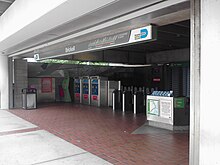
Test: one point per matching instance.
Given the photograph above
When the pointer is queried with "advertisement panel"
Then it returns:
(46, 85)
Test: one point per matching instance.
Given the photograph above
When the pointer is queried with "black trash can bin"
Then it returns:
(29, 98)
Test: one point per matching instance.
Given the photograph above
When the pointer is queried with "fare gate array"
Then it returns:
(130, 100)
(98, 91)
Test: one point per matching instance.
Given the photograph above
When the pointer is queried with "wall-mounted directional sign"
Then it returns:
(36, 57)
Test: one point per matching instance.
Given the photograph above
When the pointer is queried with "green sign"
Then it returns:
(179, 103)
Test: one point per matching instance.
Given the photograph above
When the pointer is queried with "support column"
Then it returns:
(195, 83)
(4, 82)
(210, 82)
(205, 88)
(11, 93)
(20, 80)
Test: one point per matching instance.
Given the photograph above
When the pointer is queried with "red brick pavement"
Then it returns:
(107, 134)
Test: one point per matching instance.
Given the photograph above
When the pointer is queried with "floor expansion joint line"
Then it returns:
(20, 131)
(60, 158)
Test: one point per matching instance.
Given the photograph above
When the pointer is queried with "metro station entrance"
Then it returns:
(134, 88)
(151, 77)
(85, 41)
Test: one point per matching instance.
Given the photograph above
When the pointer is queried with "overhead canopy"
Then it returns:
(80, 22)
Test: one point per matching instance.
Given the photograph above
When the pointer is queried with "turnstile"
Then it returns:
(112, 85)
(77, 90)
(116, 99)
(127, 101)
(139, 105)
(85, 83)
(99, 91)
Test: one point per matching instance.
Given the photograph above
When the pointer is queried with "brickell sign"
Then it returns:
(124, 38)
(70, 49)
(103, 42)
(147, 33)
(108, 41)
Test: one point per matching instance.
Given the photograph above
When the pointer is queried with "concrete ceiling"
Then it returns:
(109, 18)
(68, 17)
(4, 5)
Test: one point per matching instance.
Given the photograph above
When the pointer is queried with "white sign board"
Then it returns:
(160, 109)
(166, 108)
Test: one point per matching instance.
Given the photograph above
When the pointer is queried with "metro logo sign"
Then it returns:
(144, 33)
(141, 34)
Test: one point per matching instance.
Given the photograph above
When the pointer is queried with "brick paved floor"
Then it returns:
(107, 134)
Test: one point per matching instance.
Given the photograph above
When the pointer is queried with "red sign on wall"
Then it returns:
(46, 85)
(156, 79)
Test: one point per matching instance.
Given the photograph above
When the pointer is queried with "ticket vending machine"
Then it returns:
(77, 90)
(85, 81)
(99, 91)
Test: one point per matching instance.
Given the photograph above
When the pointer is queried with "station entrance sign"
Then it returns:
(143, 34)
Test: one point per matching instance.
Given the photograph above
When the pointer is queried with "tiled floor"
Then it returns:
(107, 134)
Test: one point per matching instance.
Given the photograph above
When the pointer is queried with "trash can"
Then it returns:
(29, 98)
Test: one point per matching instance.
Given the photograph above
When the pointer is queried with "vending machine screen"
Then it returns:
(94, 87)
(85, 86)
(77, 87)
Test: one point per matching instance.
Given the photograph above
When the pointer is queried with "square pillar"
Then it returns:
(4, 82)
(20, 80)
(205, 82)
